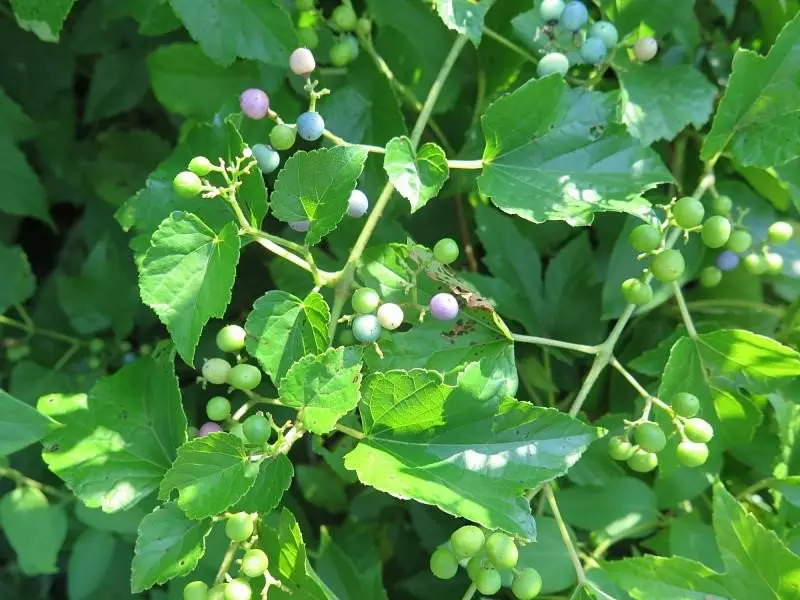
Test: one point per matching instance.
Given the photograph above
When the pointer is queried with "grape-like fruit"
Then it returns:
(195, 590)
(467, 541)
(502, 551)
(200, 165)
(344, 52)
(301, 62)
(345, 17)
(282, 137)
(254, 103)
(594, 51)
(488, 582)
(716, 231)
(688, 212)
(574, 16)
(692, 454)
(310, 126)
(722, 205)
(268, 160)
(238, 590)
(527, 584)
(550, 10)
(364, 26)
(606, 32)
(365, 300)
(739, 241)
(218, 408)
(444, 563)
(642, 461)
(445, 251)
(217, 592)
(244, 377)
(300, 226)
(208, 428)
(779, 233)
(774, 263)
(554, 62)
(727, 261)
(755, 263)
(645, 238)
(254, 562)
(366, 328)
(685, 404)
(698, 430)
(645, 49)
(636, 292)
(650, 437)
(710, 277)
(668, 266)
(390, 316)
(256, 428)
(357, 204)
(231, 338)
(304, 4)
(239, 527)
(308, 37)
(187, 184)
(215, 370)
(620, 448)
(443, 307)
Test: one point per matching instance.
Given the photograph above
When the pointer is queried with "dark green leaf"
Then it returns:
(44, 18)
(34, 528)
(346, 580)
(417, 176)
(21, 425)
(89, 560)
(19, 283)
(321, 487)
(23, 194)
(549, 556)
(119, 83)
(464, 16)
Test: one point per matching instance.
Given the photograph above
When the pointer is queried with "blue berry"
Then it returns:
(574, 16)
(606, 32)
(593, 51)
(357, 204)
(555, 62)
(443, 307)
(366, 328)
(727, 261)
(550, 10)
(268, 160)
(310, 126)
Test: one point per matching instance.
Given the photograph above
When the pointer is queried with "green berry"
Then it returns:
(476, 564)
(217, 592)
(238, 590)
(282, 137)
(308, 37)
(645, 238)
(688, 212)
(698, 430)
(343, 53)
(254, 562)
(488, 582)
(186, 184)
(692, 454)
(755, 264)
(444, 564)
(779, 233)
(365, 300)
(244, 377)
(668, 266)
(467, 541)
(636, 291)
(239, 527)
(364, 26)
(686, 405)
(650, 437)
(643, 461)
(722, 205)
(200, 165)
(216, 370)
(739, 241)
(344, 17)
(445, 251)
(619, 448)
(256, 428)
(554, 62)
(501, 551)
(218, 408)
(774, 263)
(710, 277)
(231, 338)
(195, 590)
(527, 584)
(96, 346)
(304, 4)
(716, 231)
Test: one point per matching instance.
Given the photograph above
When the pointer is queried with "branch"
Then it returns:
(562, 528)
(540, 341)
(687, 318)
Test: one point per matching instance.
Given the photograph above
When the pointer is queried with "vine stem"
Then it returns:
(562, 528)
(354, 433)
(510, 45)
(540, 341)
(227, 560)
(21, 479)
(342, 142)
(465, 164)
(687, 318)
(468, 595)
(31, 330)
(640, 388)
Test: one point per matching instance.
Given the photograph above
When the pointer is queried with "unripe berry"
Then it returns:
(692, 454)
(650, 437)
(268, 160)
(345, 17)
(710, 277)
(390, 316)
(645, 238)
(231, 338)
(685, 404)
(357, 204)
(187, 184)
(554, 62)
(698, 430)
(239, 527)
(282, 137)
(238, 590)
(365, 300)
(606, 32)
(308, 37)
(254, 103)
(645, 49)
(502, 551)
(195, 590)
(722, 205)
(550, 10)
(755, 264)
(200, 165)
(619, 448)
(301, 62)
(774, 263)
(636, 292)
(218, 408)
(716, 231)
(215, 370)
(254, 562)
(526, 584)
(688, 212)
(739, 241)
(668, 266)
(467, 541)
(488, 582)
(779, 233)
(244, 377)
(444, 564)
(643, 461)
(366, 328)
(445, 251)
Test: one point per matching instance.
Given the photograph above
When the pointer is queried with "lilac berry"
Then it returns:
(357, 204)
(727, 261)
(209, 428)
(443, 307)
(254, 103)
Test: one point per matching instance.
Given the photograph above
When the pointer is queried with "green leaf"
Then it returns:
(117, 442)
(757, 563)
(464, 16)
(14, 123)
(549, 556)
(44, 18)
(691, 538)
(467, 450)
(23, 194)
(659, 578)
(227, 29)
(321, 487)
(282, 328)
(35, 529)
(89, 560)
(754, 122)
(168, 545)
(21, 425)
(187, 276)
(19, 283)
(564, 160)
(315, 186)
(211, 474)
(657, 101)
(727, 8)
(123, 521)
(119, 82)
(347, 580)
(676, 17)
(325, 387)
(417, 176)
(274, 477)
(187, 82)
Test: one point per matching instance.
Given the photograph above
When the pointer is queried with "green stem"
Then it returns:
(491, 33)
(687, 318)
(756, 487)
(725, 303)
(227, 560)
(468, 595)
(349, 431)
(562, 528)
(342, 142)
(540, 341)
(465, 164)
(21, 479)
(32, 330)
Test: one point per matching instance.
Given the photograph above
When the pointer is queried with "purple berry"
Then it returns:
(209, 428)
(443, 307)
(727, 261)
(254, 103)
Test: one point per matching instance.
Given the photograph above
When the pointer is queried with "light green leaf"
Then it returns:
(35, 529)
(549, 556)
(169, 545)
(757, 563)
(417, 176)
(23, 193)
(117, 442)
(325, 386)
(657, 101)
(282, 328)
(187, 276)
(467, 450)
(564, 160)
(18, 281)
(315, 186)
(44, 18)
(211, 474)
(274, 477)
(119, 82)
(691, 538)
(227, 29)
(464, 16)
(21, 425)
(89, 561)
(660, 578)
(756, 121)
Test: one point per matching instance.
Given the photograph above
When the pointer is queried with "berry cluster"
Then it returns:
(488, 561)
(343, 23)
(649, 438)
